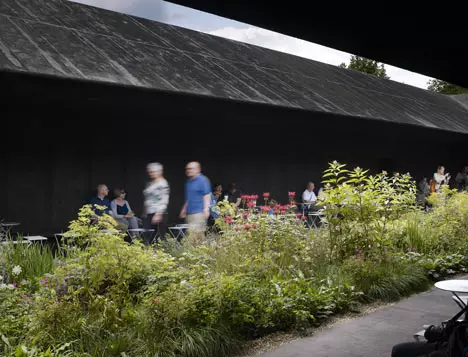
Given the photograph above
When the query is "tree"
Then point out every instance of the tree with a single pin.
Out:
(438, 86)
(365, 65)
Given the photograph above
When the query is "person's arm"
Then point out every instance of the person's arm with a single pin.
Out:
(314, 197)
(238, 201)
(183, 211)
(114, 210)
(206, 205)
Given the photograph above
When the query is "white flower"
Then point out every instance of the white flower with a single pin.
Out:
(3, 286)
(16, 270)
(1, 278)
(10, 287)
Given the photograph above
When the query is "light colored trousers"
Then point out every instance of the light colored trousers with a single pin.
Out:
(130, 222)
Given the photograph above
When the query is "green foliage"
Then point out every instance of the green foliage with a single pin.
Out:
(439, 86)
(263, 273)
(365, 65)
(358, 208)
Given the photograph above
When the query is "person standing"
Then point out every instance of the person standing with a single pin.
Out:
(196, 209)
(439, 179)
(156, 200)
(462, 179)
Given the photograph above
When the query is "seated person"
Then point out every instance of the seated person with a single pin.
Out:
(309, 199)
(273, 207)
(214, 199)
(101, 200)
(233, 195)
(121, 210)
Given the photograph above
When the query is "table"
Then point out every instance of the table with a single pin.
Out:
(15, 242)
(138, 232)
(178, 231)
(455, 287)
(35, 238)
(6, 227)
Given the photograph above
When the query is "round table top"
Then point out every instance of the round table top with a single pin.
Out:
(140, 230)
(9, 224)
(457, 286)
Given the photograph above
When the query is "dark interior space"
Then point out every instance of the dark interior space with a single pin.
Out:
(61, 138)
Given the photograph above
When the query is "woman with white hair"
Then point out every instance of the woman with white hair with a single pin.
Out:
(156, 195)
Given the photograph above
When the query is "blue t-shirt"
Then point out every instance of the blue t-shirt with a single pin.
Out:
(104, 202)
(195, 190)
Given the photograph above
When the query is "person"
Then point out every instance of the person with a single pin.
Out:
(156, 199)
(462, 179)
(216, 196)
(273, 207)
(413, 349)
(439, 179)
(196, 208)
(121, 210)
(101, 199)
(423, 191)
(233, 195)
(308, 198)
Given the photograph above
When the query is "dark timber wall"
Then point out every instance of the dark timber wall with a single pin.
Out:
(60, 138)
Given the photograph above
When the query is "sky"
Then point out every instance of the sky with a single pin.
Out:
(173, 14)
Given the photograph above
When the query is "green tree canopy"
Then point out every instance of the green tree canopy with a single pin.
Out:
(438, 86)
(365, 65)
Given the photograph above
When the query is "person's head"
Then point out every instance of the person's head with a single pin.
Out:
(217, 188)
(310, 186)
(120, 193)
(192, 169)
(232, 187)
(155, 170)
(102, 190)
(440, 170)
(273, 203)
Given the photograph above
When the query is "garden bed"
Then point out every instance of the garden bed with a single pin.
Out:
(263, 275)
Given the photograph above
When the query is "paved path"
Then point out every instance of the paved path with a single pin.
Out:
(375, 334)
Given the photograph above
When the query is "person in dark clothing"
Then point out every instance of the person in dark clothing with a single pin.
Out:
(233, 195)
(101, 200)
(413, 349)
(462, 179)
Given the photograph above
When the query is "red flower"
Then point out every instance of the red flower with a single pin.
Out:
(228, 220)
(265, 209)
(291, 194)
(250, 204)
(244, 197)
(255, 197)
(277, 211)
(246, 214)
(298, 215)
(254, 225)
(246, 227)
(303, 218)
(283, 208)
(293, 203)
(266, 195)
(236, 228)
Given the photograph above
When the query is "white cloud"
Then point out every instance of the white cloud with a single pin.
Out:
(275, 41)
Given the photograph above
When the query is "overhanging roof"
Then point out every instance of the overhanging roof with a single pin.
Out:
(70, 40)
(412, 35)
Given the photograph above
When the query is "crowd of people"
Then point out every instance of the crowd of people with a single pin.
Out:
(440, 178)
(200, 207)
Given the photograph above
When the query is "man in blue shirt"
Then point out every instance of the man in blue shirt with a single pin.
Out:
(196, 209)
(101, 200)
